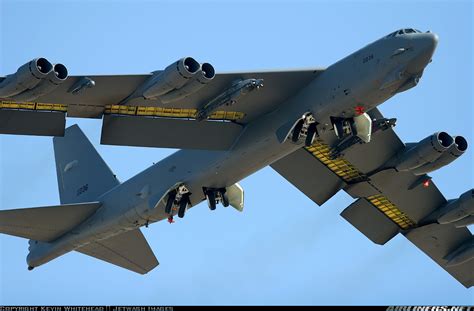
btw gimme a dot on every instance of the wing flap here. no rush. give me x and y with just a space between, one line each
168 133
128 250
370 221
309 175
45 224
22 122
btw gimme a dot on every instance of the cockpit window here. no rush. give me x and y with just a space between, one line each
391 35
402 32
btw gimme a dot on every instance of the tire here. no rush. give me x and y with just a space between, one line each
310 135
296 131
182 205
211 200
225 199
169 203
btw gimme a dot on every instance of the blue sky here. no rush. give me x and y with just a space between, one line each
283 249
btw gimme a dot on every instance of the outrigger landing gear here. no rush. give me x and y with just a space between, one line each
305 127
214 196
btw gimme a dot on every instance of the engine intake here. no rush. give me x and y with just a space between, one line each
426 151
26 77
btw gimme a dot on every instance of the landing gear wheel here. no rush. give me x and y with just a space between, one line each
169 203
211 199
297 130
183 203
30 268
225 198
310 134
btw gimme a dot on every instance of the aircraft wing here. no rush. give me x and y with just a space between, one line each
388 201
128 250
152 122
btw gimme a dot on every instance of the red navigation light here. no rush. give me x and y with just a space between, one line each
359 110
426 183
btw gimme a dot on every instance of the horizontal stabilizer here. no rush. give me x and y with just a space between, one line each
45 224
128 250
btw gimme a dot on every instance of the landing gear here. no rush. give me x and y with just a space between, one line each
310 134
305 127
211 200
224 198
179 196
357 130
170 202
30 268
297 131
183 204
343 127
214 196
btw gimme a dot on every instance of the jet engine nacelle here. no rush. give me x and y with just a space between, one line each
455 151
200 79
458 209
426 151
52 80
173 77
26 77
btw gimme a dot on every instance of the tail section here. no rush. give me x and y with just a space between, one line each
82 173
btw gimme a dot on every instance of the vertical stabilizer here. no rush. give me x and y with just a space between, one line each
82 174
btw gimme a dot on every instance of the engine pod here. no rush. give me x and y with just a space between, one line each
26 77
426 151
173 77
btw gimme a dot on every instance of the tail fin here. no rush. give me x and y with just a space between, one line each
82 174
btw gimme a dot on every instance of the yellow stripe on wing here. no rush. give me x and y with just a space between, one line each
32 106
185 113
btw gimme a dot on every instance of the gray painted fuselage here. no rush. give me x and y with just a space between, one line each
365 78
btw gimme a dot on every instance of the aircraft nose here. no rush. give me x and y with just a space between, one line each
430 41
426 44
